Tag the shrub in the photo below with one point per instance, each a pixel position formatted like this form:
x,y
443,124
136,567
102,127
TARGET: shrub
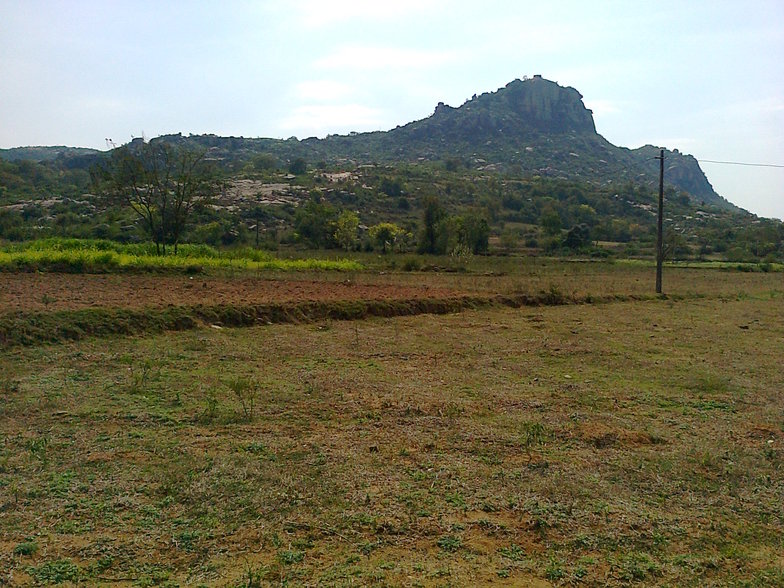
x,y
245,390
27,548
411,264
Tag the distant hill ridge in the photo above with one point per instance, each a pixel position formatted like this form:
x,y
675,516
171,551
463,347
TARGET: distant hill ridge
x,y
532,126
42,153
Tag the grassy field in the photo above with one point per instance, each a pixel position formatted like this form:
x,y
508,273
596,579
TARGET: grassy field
x,y
634,442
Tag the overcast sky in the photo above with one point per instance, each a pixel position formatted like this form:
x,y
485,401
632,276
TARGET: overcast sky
x,y
704,77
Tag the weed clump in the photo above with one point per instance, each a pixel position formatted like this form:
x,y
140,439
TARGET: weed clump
x,y
450,543
55,572
533,435
513,552
245,391
553,296
26,548
291,557
637,566
211,406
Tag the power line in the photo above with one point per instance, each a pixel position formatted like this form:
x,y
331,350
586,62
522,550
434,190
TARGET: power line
x,y
740,163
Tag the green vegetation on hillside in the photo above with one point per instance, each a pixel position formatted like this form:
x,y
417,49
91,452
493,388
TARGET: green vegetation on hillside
x,y
520,170
530,214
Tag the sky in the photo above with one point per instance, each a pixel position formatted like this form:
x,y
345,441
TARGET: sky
x,y
703,77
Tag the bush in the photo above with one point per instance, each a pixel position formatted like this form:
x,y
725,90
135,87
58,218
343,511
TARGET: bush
x,y
412,264
27,548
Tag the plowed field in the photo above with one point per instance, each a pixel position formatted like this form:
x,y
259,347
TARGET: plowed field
x,y
37,292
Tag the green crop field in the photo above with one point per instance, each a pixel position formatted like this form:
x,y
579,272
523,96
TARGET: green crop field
x,y
94,255
630,442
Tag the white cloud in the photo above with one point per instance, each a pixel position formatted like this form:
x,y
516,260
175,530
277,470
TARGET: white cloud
x,y
315,14
378,58
322,90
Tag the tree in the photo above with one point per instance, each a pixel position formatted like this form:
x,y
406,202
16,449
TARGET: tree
x,y
161,182
298,167
391,187
432,216
452,164
473,232
315,223
551,222
264,162
584,215
259,214
385,234
346,229
577,237
675,246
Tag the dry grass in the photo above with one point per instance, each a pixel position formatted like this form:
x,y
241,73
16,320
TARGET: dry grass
x,y
581,278
634,442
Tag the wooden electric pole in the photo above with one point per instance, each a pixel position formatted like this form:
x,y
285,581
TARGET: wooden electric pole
x,y
659,233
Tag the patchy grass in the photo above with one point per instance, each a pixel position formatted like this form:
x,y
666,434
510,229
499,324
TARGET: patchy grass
x,y
640,441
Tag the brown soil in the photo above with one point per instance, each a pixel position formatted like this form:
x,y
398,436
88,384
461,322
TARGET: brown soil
x,y
37,292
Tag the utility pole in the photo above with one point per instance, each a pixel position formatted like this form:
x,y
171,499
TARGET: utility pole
x,y
659,234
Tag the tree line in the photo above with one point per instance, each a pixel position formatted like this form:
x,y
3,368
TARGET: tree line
x,y
167,193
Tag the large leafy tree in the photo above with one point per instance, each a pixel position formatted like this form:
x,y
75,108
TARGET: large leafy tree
x,y
385,234
162,183
315,223
346,229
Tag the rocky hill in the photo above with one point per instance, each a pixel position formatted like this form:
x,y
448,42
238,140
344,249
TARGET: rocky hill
x,y
530,127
